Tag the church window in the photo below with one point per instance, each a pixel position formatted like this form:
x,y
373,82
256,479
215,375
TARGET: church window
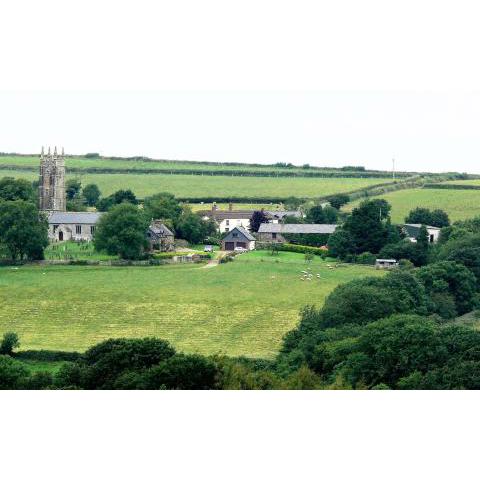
x,y
92,230
78,229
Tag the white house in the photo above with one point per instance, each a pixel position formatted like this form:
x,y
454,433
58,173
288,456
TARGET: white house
x,y
227,220
412,230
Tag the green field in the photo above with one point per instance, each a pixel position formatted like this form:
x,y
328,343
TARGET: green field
x,y
240,308
196,186
173,165
459,204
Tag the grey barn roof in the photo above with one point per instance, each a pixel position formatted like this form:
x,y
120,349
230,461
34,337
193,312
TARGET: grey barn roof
x,y
297,228
74,217
413,229
242,231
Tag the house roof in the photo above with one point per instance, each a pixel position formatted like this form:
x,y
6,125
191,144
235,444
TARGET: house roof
x,y
74,217
220,215
244,233
160,229
413,229
297,228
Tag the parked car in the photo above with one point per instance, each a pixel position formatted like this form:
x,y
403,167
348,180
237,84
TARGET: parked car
x,y
240,249
208,248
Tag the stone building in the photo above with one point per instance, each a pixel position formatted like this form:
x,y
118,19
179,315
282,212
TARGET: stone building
x,y
51,188
77,226
160,237
274,232
62,225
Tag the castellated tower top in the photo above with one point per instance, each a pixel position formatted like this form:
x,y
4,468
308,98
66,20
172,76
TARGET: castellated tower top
x,y
51,188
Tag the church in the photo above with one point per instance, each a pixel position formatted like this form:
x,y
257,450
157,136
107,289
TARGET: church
x,y
62,225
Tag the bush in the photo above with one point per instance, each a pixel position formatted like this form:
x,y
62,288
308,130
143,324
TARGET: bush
x,y
366,258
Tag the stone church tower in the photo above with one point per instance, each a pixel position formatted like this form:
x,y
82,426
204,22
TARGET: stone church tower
x,y
52,182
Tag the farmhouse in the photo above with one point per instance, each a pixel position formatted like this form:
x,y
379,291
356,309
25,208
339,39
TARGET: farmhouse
x,y
226,220
274,232
160,237
238,237
412,230
78,226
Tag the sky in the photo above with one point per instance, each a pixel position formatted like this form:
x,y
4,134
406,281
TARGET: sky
x,y
422,131
318,82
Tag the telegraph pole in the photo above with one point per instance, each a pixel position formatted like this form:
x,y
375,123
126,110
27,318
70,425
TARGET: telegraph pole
x,y
393,168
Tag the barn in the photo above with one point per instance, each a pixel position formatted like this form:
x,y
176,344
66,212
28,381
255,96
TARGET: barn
x,y
238,237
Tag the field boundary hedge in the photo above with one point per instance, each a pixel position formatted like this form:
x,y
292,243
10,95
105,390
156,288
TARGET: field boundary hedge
x,y
451,186
213,172
291,247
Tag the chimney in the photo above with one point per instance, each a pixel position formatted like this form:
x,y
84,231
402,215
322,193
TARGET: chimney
x,y
230,206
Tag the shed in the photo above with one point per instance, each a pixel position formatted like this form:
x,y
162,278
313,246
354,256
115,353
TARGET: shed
x,y
238,237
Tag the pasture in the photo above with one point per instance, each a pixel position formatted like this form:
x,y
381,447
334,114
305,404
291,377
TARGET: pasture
x,y
239,308
197,186
459,204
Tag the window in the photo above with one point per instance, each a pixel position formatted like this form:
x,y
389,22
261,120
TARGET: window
x,y
274,235
235,234
55,227
92,230
227,222
78,229
431,238
227,229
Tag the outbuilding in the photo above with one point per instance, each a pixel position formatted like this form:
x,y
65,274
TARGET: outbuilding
x,y
238,237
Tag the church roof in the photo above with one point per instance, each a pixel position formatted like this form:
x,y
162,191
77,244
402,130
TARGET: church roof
x,y
74,217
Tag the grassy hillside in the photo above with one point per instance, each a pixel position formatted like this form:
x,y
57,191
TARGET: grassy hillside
x,y
140,163
240,308
198,186
459,204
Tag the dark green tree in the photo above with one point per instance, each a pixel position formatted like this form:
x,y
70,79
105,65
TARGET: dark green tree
x,y
16,189
340,244
73,188
192,228
163,206
368,226
258,217
122,232
316,215
120,196
436,218
23,231
12,372
337,201
91,193
10,341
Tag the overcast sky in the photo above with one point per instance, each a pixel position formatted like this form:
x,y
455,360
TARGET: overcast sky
x,y
436,132
325,83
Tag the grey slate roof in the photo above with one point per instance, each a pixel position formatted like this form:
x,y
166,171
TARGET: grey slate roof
x,y
297,228
89,218
245,233
160,229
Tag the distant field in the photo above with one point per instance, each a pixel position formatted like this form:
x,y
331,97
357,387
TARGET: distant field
x,y
197,186
240,308
473,181
173,165
459,204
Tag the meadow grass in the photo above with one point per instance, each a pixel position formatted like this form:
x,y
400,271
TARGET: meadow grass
x,y
239,308
42,365
196,186
71,250
459,204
